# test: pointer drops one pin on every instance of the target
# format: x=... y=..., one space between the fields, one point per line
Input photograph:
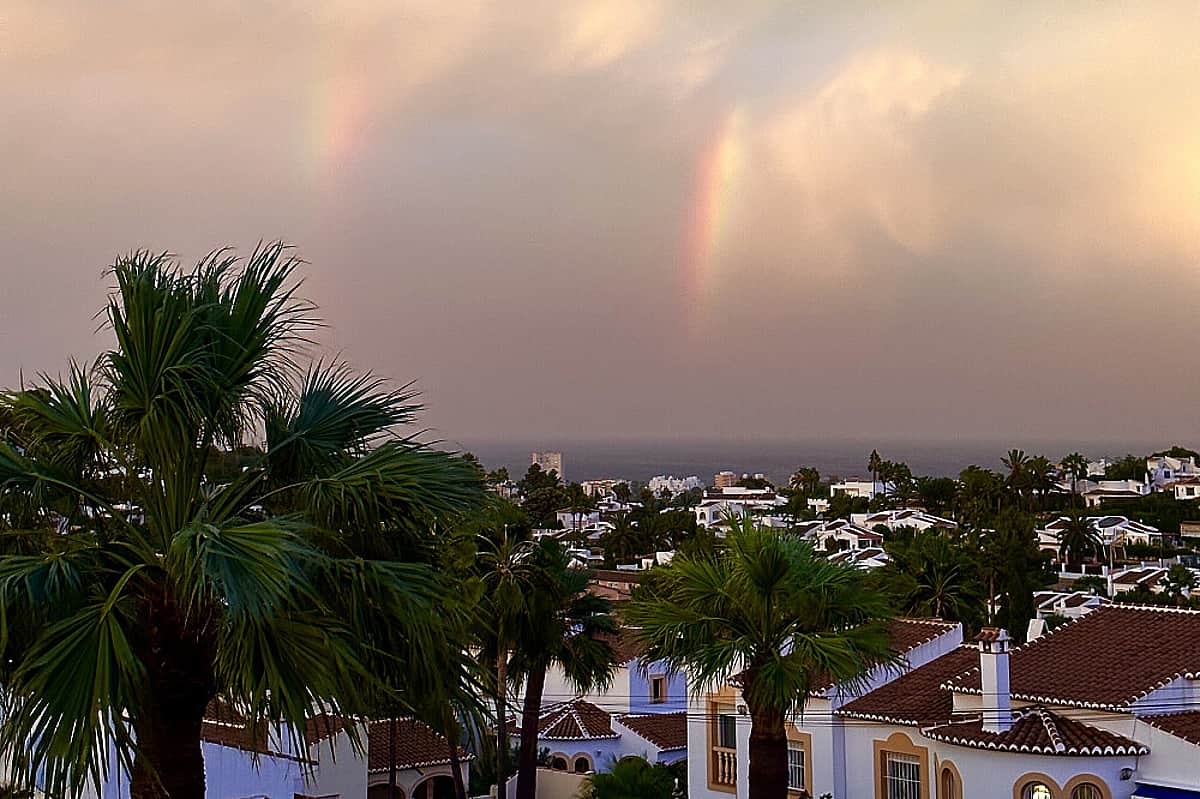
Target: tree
x=1075 y=465
x=1179 y=583
x=1040 y=475
x=135 y=590
x=937 y=493
x=565 y=627
x=578 y=502
x=933 y=576
x=807 y=480
x=631 y=778
x=1130 y=467
x=622 y=492
x=498 y=477
x=536 y=479
x=1017 y=463
x=1093 y=583
x=511 y=574
x=624 y=542
x=543 y=505
x=873 y=464
x=1013 y=566
x=770 y=608
x=1078 y=539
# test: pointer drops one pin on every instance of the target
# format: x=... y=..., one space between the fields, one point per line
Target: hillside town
x=1061 y=662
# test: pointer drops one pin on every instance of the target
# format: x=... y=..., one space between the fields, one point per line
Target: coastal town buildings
x=673 y=485
x=725 y=479
x=1103 y=707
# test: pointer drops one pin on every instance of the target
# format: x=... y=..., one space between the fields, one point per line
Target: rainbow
x=712 y=210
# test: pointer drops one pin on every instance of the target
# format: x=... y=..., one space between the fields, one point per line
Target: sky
x=679 y=220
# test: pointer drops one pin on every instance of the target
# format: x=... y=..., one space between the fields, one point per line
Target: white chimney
x=993 y=679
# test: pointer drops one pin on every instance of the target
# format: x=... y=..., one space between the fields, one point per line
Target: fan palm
x=565 y=627
x=1078 y=538
x=1076 y=465
x=768 y=607
x=134 y=590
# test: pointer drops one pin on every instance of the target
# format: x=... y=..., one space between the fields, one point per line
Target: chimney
x=993 y=679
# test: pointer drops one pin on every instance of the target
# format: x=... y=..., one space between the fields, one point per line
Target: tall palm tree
x=135 y=590
x=1017 y=463
x=933 y=576
x=511 y=576
x=565 y=627
x=1075 y=465
x=873 y=464
x=1078 y=538
x=768 y=607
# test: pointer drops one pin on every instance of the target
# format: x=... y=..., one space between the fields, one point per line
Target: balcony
x=723 y=772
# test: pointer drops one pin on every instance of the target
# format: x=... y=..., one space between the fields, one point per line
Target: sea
x=640 y=459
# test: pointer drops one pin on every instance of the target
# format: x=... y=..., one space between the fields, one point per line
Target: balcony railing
x=724 y=766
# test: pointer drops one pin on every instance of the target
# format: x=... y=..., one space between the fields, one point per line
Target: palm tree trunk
x=768 y=754
x=501 y=722
x=527 y=760
x=169 y=763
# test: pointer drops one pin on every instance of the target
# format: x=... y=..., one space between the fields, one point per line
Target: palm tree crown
x=134 y=590
x=769 y=608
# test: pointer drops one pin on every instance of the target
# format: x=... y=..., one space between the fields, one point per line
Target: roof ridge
x=1050 y=723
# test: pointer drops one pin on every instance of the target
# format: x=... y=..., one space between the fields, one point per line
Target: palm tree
x=806 y=479
x=768 y=607
x=140 y=591
x=625 y=541
x=1017 y=463
x=511 y=576
x=933 y=576
x=873 y=464
x=631 y=778
x=1076 y=466
x=565 y=627
x=1078 y=538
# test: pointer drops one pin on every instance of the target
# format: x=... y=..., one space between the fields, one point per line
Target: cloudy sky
x=678 y=219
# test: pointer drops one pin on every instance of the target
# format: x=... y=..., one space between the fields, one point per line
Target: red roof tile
x=1038 y=731
x=1108 y=658
x=667 y=731
x=322 y=726
x=917 y=697
x=417 y=745
x=1181 y=725
x=574 y=721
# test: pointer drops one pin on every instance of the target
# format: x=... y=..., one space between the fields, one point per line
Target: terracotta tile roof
x=1038 y=731
x=667 y=731
x=916 y=698
x=905 y=634
x=225 y=726
x=1107 y=659
x=417 y=745
x=322 y=726
x=1181 y=725
x=574 y=721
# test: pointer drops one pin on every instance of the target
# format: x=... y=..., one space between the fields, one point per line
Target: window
x=1036 y=790
x=582 y=765
x=902 y=776
x=558 y=763
x=727 y=731
x=658 y=690
x=1086 y=790
x=796 y=767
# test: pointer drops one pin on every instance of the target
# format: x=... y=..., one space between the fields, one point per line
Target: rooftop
x=667 y=731
x=1038 y=731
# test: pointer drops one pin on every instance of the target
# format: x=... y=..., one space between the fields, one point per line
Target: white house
x=1104 y=707
x=1164 y=470
x=1112 y=531
x=906 y=517
x=718 y=504
x=673 y=485
x=1095 y=492
x=865 y=489
x=1186 y=488
x=839 y=534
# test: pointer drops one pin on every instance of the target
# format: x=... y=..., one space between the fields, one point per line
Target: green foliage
x=807 y=480
x=937 y=493
x=1078 y=539
x=631 y=778
x=1179 y=583
x=542 y=507
x=842 y=505
x=1177 y=451
x=134 y=580
x=1093 y=583
x=1159 y=509
x=931 y=575
x=1130 y=467
x=536 y=479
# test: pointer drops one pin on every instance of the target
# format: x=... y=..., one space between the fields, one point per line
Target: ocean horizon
x=641 y=459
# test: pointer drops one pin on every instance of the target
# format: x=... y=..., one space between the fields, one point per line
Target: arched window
x=1036 y=790
x=1087 y=790
x=949 y=787
x=558 y=763
x=582 y=765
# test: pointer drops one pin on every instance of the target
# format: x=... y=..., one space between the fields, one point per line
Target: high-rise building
x=549 y=460
x=725 y=480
